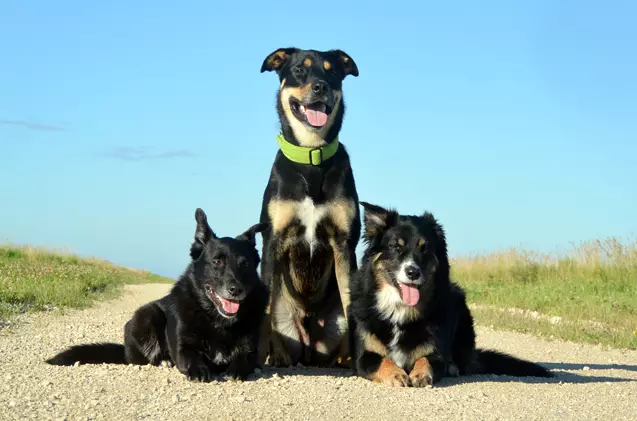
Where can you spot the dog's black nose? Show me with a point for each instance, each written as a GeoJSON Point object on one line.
{"type": "Point", "coordinates": [320, 87]}
{"type": "Point", "coordinates": [235, 290]}
{"type": "Point", "coordinates": [412, 272]}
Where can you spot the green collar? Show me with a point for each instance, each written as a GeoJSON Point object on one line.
{"type": "Point", "coordinates": [307, 156]}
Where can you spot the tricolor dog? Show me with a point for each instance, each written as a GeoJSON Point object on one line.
{"type": "Point", "coordinates": [409, 323]}
{"type": "Point", "coordinates": [311, 206]}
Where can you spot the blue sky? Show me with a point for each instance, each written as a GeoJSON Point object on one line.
{"type": "Point", "coordinates": [514, 122]}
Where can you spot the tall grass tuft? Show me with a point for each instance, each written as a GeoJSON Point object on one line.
{"type": "Point", "coordinates": [591, 287]}
{"type": "Point", "coordinates": [36, 279]}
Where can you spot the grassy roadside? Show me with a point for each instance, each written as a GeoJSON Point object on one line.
{"type": "Point", "coordinates": [33, 279]}
{"type": "Point", "coordinates": [587, 294]}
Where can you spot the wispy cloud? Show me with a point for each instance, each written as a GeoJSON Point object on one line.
{"type": "Point", "coordinates": [138, 154]}
{"type": "Point", "coordinates": [33, 126]}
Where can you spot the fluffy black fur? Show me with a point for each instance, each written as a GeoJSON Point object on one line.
{"type": "Point", "coordinates": [410, 251]}
{"type": "Point", "coordinates": [191, 327]}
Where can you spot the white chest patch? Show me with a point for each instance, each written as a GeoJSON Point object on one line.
{"type": "Point", "coordinates": [395, 352]}
{"type": "Point", "coordinates": [310, 215]}
{"type": "Point", "coordinates": [220, 359]}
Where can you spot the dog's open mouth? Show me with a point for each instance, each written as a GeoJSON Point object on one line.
{"type": "Point", "coordinates": [314, 114]}
{"type": "Point", "coordinates": [410, 293]}
{"type": "Point", "coordinates": [228, 308]}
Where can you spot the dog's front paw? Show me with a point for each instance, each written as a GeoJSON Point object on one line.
{"type": "Point", "coordinates": [239, 369]}
{"type": "Point", "coordinates": [280, 358]}
{"type": "Point", "coordinates": [391, 375]}
{"type": "Point", "coordinates": [422, 374]}
{"type": "Point", "coordinates": [198, 371]}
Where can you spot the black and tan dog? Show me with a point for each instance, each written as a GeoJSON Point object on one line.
{"type": "Point", "coordinates": [409, 324]}
{"type": "Point", "coordinates": [311, 205]}
{"type": "Point", "coordinates": [207, 325]}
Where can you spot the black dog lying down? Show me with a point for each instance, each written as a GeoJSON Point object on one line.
{"type": "Point", "coordinates": [209, 322]}
{"type": "Point", "coordinates": [409, 324]}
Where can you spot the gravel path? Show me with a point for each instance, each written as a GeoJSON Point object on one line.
{"type": "Point", "coordinates": [592, 383]}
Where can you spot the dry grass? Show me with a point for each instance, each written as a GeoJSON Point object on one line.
{"type": "Point", "coordinates": [587, 293]}
{"type": "Point", "coordinates": [36, 279]}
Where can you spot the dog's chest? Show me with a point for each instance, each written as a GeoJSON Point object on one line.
{"type": "Point", "coordinates": [396, 352]}
{"type": "Point", "coordinates": [219, 358]}
{"type": "Point", "coordinates": [310, 215]}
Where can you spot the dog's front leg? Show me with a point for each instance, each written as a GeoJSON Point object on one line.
{"type": "Point", "coordinates": [245, 360]}
{"type": "Point", "coordinates": [193, 365]}
{"type": "Point", "coordinates": [344, 267]}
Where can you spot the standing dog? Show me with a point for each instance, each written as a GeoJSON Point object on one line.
{"type": "Point", "coordinates": [311, 205]}
{"type": "Point", "coordinates": [208, 324]}
{"type": "Point", "coordinates": [410, 325]}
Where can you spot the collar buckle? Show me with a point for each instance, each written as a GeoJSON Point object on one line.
{"type": "Point", "coordinates": [320, 160]}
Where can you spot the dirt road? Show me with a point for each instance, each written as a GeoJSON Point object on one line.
{"type": "Point", "coordinates": [592, 383]}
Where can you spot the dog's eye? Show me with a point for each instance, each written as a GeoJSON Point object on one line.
{"type": "Point", "coordinates": [217, 262]}
{"type": "Point", "coordinates": [299, 71]}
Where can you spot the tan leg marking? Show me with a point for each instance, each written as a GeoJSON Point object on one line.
{"type": "Point", "coordinates": [390, 374]}
{"type": "Point", "coordinates": [281, 213]}
{"type": "Point", "coordinates": [373, 344]}
{"type": "Point", "coordinates": [422, 374]}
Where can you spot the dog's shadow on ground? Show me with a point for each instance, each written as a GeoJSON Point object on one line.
{"type": "Point", "coordinates": [561, 376]}
{"type": "Point", "coordinates": [572, 366]}
{"type": "Point", "coordinates": [269, 372]}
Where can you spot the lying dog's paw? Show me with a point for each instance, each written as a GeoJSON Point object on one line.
{"type": "Point", "coordinates": [239, 369]}
{"type": "Point", "coordinates": [391, 375]}
{"type": "Point", "coordinates": [422, 374]}
{"type": "Point", "coordinates": [453, 370]}
{"type": "Point", "coordinates": [198, 371]}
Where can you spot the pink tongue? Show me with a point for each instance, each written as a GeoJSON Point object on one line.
{"type": "Point", "coordinates": [411, 295]}
{"type": "Point", "coordinates": [316, 118]}
{"type": "Point", "coordinates": [229, 307]}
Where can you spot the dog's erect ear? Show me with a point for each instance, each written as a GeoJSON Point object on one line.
{"type": "Point", "coordinates": [277, 59]}
{"type": "Point", "coordinates": [347, 63]}
{"type": "Point", "coordinates": [203, 234]}
{"type": "Point", "coordinates": [250, 234]}
{"type": "Point", "coordinates": [377, 219]}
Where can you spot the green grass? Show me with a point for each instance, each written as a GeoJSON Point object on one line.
{"type": "Point", "coordinates": [33, 279]}
{"type": "Point", "coordinates": [586, 294]}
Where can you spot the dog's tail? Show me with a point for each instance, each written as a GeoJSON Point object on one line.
{"type": "Point", "coordinates": [494, 362]}
{"type": "Point", "coordinates": [98, 353]}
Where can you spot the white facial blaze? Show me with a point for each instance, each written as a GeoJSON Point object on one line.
{"type": "Point", "coordinates": [401, 273]}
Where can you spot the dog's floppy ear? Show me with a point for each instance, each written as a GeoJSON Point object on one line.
{"type": "Point", "coordinates": [277, 59]}
{"type": "Point", "coordinates": [250, 234]}
{"type": "Point", "coordinates": [346, 62]}
{"type": "Point", "coordinates": [203, 234]}
{"type": "Point", "coordinates": [377, 219]}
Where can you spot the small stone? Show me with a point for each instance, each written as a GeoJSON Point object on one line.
{"type": "Point", "coordinates": [166, 381]}
{"type": "Point", "coordinates": [95, 402]}
{"type": "Point", "coordinates": [8, 377]}
{"type": "Point", "coordinates": [45, 383]}
{"type": "Point", "coordinates": [77, 364]}
{"type": "Point", "coordinates": [12, 403]}
{"type": "Point", "coordinates": [176, 398]}
{"type": "Point", "coordinates": [586, 368]}
{"type": "Point", "coordinates": [276, 376]}
{"type": "Point", "coordinates": [240, 399]}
